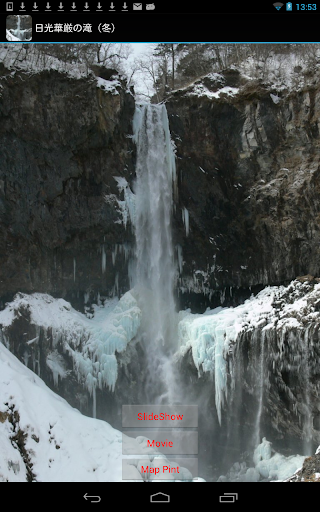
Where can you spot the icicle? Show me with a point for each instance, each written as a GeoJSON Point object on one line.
{"type": "Point", "coordinates": [180, 260]}
{"type": "Point", "coordinates": [94, 397]}
{"type": "Point", "coordinates": [126, 250]}
{"type": "Point", "coordinates": [185, 218]}
{"type": "Point", "coordinates": [74, 269]}
{"type": "Point", "coordinates": [104, 260]}
{"type": "Point", "coordinates": [114, 254]}
{"type": "Point", "coordinates": [116, 285]}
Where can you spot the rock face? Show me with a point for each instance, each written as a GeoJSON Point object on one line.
{"type": "Point", "coordinates": [62, 141]}
{"type": "Point", "coordinates": [248, 167]}
{"type": "Point", "coordinates": [310, 471]}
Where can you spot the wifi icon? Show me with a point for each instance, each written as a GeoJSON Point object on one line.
{"type": "Point", "coordinates": [278, 5]}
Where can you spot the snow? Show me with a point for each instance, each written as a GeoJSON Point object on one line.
{"type": "Point", "coordinates": [277, 466]}
{"type": "Point", "coordinates": [92, 343]}
{"type": "Point", "coordinates": [200, 89]}
{"type": "Point", "coordinates": [268, 466]}
{"type": "Point", "coordinates": [108, 85]}
{"type": "Point", "coordinates": [56, 364]}
{"type": "Point", "coordinates": [11, 37]}
{"type": "Point", "coordinates": [275, 98]}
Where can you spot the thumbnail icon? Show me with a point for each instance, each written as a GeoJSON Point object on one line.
{"type": "Point", "coordinates": [19, 28]}
{"type": "Point", "coordinates": [150, 7]}
{"type": "Point", "coordinates": [137, 7]}
{"type": "Point", "coordinates": [9, 6]}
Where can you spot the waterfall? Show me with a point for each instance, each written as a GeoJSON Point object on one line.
{"type": "Point", "coordinates": [154, 271]}
{"type": "Point", "coordinates": [20, 34]}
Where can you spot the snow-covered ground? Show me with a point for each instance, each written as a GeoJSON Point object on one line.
{"type": "Point", "coordinates": [62, 445]}
{"type": "Point", "coordinates": [56, 442]}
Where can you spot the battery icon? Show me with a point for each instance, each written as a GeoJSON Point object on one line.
{"type": "Point", "coordinates": [289, 6]}
{"type": "Point", "coordinates": [228, 497]}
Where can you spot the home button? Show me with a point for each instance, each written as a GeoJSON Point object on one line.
{"type": "Point", "coordinates": [160, 497]}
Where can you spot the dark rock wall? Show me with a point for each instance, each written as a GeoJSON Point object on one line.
{"type": "Point", "coordinates": [61, 142]}
{"type": "Point", "coordinates": [248, 171]}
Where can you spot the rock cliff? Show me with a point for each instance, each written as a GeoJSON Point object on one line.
{"type": "Point", "coordinates": [62, 141]}
{"type": "Point", "coordinates": [248, 168]}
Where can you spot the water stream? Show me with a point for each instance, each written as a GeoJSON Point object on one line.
{"type": "Point", "coordinates": [154, 271]}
